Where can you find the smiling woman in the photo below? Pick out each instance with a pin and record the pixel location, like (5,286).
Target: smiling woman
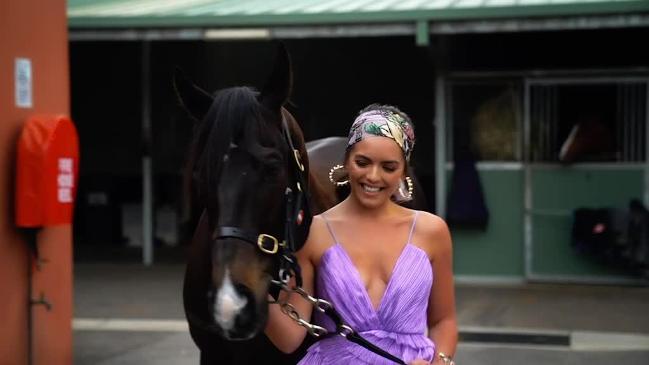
(374,260)
(375,168)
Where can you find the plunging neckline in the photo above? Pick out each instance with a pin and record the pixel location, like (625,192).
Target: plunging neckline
(359,278)
(355,272)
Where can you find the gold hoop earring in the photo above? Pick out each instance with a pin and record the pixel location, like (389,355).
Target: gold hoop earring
(407,196)
(331,176)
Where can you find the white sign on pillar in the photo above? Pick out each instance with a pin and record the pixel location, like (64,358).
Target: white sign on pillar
(23,82)
(65,180)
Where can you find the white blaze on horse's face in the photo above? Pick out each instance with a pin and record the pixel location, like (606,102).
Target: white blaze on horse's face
(228,303)
(568,143)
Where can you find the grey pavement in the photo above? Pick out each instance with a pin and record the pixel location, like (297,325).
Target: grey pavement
(555,307)
(152,330)
(127,348)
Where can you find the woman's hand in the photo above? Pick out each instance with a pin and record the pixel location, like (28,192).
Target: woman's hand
(419,362)
(437,361)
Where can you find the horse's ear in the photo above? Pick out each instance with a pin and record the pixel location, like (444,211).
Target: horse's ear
(193,99)
(278,86)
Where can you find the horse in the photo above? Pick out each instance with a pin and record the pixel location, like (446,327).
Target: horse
(249,160)
(590,139)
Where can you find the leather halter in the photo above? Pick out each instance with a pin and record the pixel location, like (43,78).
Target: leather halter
(298,215)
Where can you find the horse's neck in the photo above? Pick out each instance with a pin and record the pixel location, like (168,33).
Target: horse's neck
(320,199)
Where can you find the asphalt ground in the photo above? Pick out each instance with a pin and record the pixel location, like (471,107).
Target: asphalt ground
(126,313)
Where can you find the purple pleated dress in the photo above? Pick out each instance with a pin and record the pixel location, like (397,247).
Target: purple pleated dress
(399,323)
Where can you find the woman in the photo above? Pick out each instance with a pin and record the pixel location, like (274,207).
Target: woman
(375,260)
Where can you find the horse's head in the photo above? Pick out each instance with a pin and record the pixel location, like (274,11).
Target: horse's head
(244,165)
(590,139)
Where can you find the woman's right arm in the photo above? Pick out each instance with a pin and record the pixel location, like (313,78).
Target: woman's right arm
(282,331)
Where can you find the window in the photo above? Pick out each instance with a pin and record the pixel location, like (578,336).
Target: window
(588,122)
(485,120)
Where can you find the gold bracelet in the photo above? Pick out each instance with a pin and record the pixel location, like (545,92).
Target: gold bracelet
(446,359)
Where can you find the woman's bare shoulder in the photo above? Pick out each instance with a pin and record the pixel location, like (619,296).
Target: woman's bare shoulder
(433,234)
(332,213)
(317,223)
(318,239)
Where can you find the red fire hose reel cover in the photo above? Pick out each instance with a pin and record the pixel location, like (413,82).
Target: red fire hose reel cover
(46,171)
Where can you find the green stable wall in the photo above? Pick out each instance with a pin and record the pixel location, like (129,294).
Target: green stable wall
(557,192)
(498,251)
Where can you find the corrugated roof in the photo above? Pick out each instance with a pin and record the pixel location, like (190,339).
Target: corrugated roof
(84,14)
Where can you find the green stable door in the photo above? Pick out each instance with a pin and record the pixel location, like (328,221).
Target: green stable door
(556,192)
(545,148)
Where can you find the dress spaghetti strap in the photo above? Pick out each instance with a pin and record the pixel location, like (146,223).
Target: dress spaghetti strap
(412,228)
(330,229)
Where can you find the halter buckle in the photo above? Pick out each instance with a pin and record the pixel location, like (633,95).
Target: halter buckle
(261,243)
(298,160)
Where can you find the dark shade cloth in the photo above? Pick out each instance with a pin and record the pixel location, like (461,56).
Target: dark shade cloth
(466,207)
(614,237)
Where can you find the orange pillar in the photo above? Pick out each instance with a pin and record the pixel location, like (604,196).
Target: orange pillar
(35,30)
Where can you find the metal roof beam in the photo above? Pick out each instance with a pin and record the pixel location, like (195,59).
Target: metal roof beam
(301,32)
(544,24)
(418,29)
(344,31)
(136,35)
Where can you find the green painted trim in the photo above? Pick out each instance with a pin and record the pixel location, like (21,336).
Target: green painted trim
(490,280)
(504,12)
(422,33)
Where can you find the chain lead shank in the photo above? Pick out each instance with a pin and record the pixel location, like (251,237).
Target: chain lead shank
(325,307)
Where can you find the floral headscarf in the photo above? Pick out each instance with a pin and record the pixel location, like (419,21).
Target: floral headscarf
(383,123)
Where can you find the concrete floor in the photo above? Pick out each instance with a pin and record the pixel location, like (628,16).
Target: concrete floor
(590,316)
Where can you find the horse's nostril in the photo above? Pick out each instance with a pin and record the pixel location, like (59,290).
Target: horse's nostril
(243,323)
(244,291)
(247,318)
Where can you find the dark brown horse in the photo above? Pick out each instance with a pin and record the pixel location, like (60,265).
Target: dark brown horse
(245,166)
